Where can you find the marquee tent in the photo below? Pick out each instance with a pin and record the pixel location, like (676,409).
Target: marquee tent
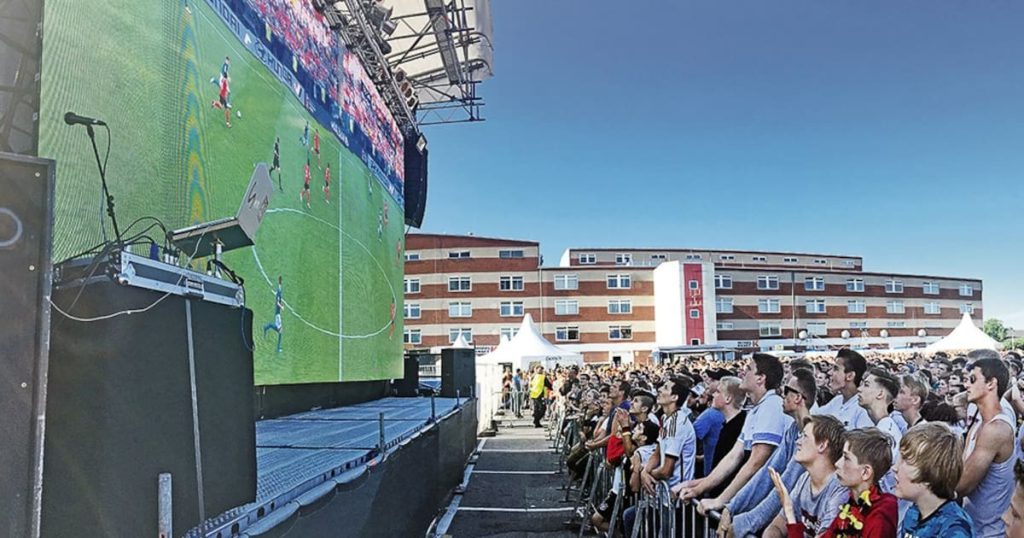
(966,336)
(528,348)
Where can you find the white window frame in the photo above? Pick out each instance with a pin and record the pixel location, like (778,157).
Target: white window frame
(508,283)
(411,283)
(694,313)
(724,326)
(623,281)
(693,284)
(768,305)
(412,256)
(459,281)
(620,332)
(929,287)
(768,329)
(512,254)
(817,328)
(894,306)
(567,307)
(859,325)
(790,260)
(821,261)
(893,286)
(896,324)
(856,306)
(508,332)
(659,257)
(620,306)
(623,258)
(967,308)
(568,282)
(814,283)
(511,309)
(459,255)
(723,305)
(966,290)
(565,333)
(408,309)
(815,306)
(932,309)
(764,282)
(727,257)
(759,258)
(413,336)
(694,257)
(855,285)
(453,334)
(587,258)
(461,309)
(723,282)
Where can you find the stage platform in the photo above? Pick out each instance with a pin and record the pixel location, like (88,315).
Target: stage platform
(304,458)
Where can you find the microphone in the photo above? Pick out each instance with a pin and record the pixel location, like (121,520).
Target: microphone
(74,119)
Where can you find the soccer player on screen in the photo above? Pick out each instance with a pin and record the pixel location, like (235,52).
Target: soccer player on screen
(380,224)
(316,146)
(304,140)
(223,100)
(385,212)
(224,67)
(327,184)
(277,162)
(394,312)
(276,324)
(304,195)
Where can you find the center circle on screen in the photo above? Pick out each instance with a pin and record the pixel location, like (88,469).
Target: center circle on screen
(10,228)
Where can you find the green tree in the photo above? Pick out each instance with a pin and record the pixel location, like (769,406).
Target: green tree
(995,328)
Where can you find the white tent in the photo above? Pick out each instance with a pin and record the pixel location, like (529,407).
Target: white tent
(965,336)
(528,348)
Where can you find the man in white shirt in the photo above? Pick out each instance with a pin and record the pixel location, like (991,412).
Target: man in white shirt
(878,389)
(844,381)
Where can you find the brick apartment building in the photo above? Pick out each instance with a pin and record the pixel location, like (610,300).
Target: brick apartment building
(623,304)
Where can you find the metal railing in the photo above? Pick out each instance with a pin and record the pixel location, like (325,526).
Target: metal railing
(660,515)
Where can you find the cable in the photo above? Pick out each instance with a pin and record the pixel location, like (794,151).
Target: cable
(241,319)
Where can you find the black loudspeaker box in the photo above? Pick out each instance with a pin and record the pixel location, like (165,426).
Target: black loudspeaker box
(458,372)
(409,385)
(415,183)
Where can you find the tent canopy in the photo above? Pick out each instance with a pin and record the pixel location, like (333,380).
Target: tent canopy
(967,336)
(528,347)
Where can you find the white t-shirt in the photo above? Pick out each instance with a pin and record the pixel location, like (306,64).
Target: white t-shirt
(678,440)
(850,413)
(889,427)
(765,423)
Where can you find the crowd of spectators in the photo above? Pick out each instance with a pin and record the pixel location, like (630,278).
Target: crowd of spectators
(908,445)
(307,35)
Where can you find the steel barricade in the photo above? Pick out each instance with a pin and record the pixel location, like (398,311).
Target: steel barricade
(656,514)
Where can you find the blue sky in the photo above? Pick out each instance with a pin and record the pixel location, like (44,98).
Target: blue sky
(888,130)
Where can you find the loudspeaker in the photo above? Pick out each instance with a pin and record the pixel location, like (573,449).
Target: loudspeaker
(26,222)
(415,181)
(458,372)
(409,385)
(167,389)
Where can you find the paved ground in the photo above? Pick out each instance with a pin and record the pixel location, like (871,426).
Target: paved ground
(513,489)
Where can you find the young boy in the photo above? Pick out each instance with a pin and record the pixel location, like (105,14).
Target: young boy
(931,461)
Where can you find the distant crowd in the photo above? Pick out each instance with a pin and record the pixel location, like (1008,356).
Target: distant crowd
(307,35)
(908,445)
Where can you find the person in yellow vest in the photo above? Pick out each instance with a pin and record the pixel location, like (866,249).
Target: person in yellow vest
(539,387)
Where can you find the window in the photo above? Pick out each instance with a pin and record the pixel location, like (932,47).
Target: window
(896,324)
(790,260)
(694,257)
(769,328)
(510,308)
(460,283)
(658,257)
(693,284)
(816,328)
(413,336)
(510,254)
(768,306)
(460,309)
(894,307)
(458,255)
(744,344)
(930,288)
(767,282)
(848,263)
(623,258)
(620,332)
(588,258)
(723,282)
(814,283)
(510,283)
(932,308)
(412,285)
(567,334)
(966,290)
(567,307)
(723,305)
(412,311)
(508,332)
(858,325)
(412,256)
(619,282)
(893,286)
(855,284)
(815,306)
(620,306)
(567,282)
(694,313)
(724,325)
(856,306)
(759,258)
(820,261)
(467,333)
(967,308)
(727,257)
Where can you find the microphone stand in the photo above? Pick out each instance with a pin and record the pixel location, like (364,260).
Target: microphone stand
(103,181)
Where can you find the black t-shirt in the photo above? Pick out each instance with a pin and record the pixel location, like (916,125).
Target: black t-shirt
(726,440)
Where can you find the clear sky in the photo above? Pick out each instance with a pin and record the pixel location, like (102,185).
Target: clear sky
(885,129)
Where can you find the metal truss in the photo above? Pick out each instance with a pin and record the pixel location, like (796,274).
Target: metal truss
(20,55)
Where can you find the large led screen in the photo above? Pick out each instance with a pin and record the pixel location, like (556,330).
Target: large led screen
(196,94)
